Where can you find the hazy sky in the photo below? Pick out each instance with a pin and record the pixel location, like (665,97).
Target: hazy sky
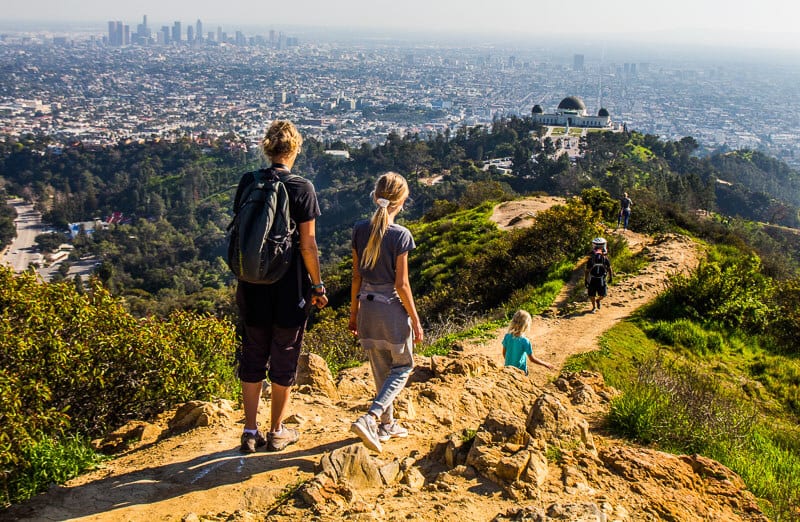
(752,23)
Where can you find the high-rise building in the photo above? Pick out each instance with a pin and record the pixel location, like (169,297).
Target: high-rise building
(190,34)
(239,38)
(143,32)
(199,30)
(115,34)
(219,34)
(126,34)
(176,32)
(164,38)
(577,62)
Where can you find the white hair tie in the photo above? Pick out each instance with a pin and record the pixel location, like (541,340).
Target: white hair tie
(382,202)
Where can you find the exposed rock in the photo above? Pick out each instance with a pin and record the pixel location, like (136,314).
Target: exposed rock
(526,514)
(473,366)
(314,372)
(356,382)
(413,478)
(583,512)
(490,454)
(537,469)
(354,465)
(132,433)
(323,494)
(556,423)
(682,487)
(511,467)
(456,449)
(195,414)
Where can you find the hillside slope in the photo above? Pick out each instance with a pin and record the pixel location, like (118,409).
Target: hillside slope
(537,453)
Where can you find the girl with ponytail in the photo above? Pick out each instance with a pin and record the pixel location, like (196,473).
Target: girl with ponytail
(382,311)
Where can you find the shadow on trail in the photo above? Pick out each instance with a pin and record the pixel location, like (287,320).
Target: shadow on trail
(155,484)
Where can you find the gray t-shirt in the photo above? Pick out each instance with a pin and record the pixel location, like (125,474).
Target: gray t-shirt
(396,241)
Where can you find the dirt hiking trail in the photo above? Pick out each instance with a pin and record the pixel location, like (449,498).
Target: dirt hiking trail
(199,474)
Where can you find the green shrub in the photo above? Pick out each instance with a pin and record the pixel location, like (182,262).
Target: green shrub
(601,201)
(731,291)
(46,462)
(330,338)
(78,363)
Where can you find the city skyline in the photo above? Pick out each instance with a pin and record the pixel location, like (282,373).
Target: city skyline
(766,25)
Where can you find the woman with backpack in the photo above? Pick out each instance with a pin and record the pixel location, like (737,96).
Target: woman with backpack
(274,315)
(598,273)
(382,311)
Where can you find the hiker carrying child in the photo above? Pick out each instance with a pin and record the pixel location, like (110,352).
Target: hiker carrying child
(517,349)
(598,273)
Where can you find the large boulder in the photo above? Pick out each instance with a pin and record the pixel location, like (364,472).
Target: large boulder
(556,423)
(313,371)
(195,414)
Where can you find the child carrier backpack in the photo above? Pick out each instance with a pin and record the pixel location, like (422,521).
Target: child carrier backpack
(598,270)
(262,231)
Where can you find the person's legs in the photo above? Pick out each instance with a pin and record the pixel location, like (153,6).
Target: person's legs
(253,370)
(402,362)
(284,354)
(627,216)
(251,400)
(380,362)
(280,399)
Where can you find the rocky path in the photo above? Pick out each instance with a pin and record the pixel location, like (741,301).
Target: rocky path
(200,475)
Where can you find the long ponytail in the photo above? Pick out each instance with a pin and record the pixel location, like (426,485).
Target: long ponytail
(391,190)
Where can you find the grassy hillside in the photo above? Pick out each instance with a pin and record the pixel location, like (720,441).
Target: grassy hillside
(712,368)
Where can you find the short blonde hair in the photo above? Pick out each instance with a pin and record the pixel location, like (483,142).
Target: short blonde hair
(282,138)
(393,188)
(520,323)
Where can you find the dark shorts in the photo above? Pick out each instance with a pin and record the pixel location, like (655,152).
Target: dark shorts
(270,352)
(597,288)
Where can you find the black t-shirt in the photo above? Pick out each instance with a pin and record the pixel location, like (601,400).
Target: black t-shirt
(283,302)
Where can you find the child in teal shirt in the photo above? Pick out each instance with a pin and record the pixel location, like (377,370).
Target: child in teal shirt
(517,348)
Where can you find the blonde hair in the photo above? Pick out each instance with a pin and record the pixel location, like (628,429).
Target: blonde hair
(520,323)
(282,138)
(391,190)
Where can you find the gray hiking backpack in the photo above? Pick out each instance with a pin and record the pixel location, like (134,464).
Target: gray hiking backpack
(262,231)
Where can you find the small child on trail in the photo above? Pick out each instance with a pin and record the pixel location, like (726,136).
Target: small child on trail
(517,349)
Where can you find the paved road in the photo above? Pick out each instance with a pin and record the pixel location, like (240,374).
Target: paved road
(19,255)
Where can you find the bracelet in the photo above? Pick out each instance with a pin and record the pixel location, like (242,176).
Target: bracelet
(320,285)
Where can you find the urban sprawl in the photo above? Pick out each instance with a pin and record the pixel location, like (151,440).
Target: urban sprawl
(125,83)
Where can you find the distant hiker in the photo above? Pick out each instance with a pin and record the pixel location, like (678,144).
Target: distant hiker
(517,349)
(625,211)
(598,273)
(274,315)
(382,311)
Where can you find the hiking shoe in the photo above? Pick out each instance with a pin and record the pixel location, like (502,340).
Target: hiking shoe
(276,441)
(387,431)
(251,441)
(367,430)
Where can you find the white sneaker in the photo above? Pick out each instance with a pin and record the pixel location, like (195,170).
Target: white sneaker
(367,430)
(387,431)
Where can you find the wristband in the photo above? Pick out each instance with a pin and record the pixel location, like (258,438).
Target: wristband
(320,285)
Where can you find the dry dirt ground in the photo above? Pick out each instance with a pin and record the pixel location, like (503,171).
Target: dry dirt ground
(200,474)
